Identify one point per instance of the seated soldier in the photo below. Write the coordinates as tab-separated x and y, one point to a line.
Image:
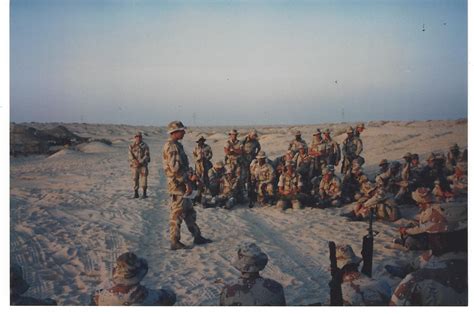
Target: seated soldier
350	182
329	189
263	176
357	288
384	207
251	289
230	192
18	287
442	280
289	188
126	288
440	195
304	166
215	175
459	180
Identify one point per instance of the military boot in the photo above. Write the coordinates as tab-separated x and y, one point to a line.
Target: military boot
201	240
177	246
144	193
136	194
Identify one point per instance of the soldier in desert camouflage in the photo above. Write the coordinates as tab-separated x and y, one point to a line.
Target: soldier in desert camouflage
330	193
317	150
233	152
289	188
351	149
297	143
230	192
251	289
454	156
176	167
139	158
263	175
459	180
202	159
126	288
359	129
357	288
332	151
442	279
250	149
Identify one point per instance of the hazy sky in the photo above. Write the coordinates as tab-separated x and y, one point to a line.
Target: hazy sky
237	62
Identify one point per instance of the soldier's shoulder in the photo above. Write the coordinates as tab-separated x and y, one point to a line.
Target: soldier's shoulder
170	146
272	285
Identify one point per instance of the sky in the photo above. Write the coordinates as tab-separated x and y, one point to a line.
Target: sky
237	62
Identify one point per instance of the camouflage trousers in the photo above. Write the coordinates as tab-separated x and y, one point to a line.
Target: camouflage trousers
289	202
139	177
264	190
182	209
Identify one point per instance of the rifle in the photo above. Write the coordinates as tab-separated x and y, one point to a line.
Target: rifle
336	277
252	193
368	247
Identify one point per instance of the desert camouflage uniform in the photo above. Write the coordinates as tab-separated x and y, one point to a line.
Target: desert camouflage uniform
139	157
264	176
295	145
202	161
231	158
318	152
459	184
290	183
176	166
215	176
332	151
351	149
250	149
442	281
230	191
359	289
330	191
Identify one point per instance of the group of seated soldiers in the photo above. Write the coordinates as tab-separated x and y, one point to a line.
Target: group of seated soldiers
306	176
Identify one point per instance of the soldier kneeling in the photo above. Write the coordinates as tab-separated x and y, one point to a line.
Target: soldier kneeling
230	190
329	189
126	277
289	187
251	289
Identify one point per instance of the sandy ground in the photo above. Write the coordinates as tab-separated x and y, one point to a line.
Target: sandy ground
72	215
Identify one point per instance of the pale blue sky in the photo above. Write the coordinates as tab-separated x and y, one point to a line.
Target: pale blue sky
231	62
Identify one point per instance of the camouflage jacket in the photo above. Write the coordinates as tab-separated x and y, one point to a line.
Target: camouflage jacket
263	174
228	186
352	147
250	149
318	147
231	148
290	183
331	148
138	153
359	289
331	188
295	145
202	153
442	281
459	184
302	161
215	176
176	166
253	291
138	295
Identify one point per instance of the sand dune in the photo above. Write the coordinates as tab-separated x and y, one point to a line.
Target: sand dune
72	214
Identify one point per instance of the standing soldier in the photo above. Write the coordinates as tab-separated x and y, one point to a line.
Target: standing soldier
317	151
454	155
176	166
263	175
250	149
251	289
331	148
351	149
289	188
139	157
233	151
202	159
297	143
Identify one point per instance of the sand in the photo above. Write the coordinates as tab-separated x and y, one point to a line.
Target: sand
72	215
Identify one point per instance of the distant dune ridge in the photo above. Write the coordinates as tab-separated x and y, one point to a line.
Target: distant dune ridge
72	212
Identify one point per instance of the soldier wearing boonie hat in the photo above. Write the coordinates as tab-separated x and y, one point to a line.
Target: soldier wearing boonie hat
139	158
202	159
127	274
233	151
250	149
351	149
289	187
251	289
332	151
357	288
176	167
263	176
330	192
297	143
442	280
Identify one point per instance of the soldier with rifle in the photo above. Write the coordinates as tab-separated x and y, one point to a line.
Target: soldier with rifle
139	158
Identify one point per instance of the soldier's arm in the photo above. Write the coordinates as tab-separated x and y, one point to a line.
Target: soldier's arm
209	153
359	147
146	156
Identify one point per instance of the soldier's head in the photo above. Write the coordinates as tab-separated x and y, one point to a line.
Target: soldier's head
422	196
253	135
415	159
249	258
383	164
455	149
363	178
261	157
431	160
201	140
176	130
298	135
328	172
407	157
350	132
327	134
302	150
346	258
289	155
138	137
290	166
317	134
233	134
360	127
129	270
